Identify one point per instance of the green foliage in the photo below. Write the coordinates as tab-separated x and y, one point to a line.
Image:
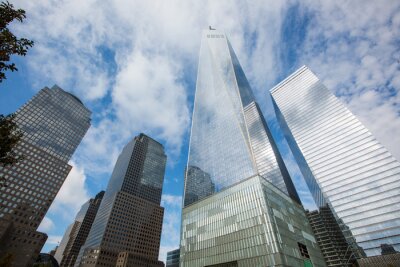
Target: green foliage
10	135
9	43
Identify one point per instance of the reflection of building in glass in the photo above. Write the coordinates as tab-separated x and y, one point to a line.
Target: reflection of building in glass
251	223
341	161
198	186
80	230
229	140
387	249
330	238
53	122
63	243
240	205
127	227
173	258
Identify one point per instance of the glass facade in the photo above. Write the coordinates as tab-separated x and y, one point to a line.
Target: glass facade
342	162
129	217
80	230
252	223
55	121
173	258
230	140
63	243
240	205
330	238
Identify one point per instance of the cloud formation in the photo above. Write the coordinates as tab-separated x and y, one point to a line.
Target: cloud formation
46	225
355	53
172	220
134	64
54	240
171	201
138	61
71	195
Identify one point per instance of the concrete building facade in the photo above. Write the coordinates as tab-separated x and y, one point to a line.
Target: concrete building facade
127	228
53	123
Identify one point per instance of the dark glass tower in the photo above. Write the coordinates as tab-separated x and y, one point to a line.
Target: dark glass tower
230	140
127	228
80	230
172	258
240	205
54	123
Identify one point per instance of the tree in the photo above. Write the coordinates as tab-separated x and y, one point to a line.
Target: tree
6	260
9	43
10	135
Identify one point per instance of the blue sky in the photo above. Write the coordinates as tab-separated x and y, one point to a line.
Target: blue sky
134	65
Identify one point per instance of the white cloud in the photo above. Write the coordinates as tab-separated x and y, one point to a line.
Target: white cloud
46	225
155	47
137	61
149	97
359	61
171	200
171	224
54	239
100	147
71	195
170	231
380	116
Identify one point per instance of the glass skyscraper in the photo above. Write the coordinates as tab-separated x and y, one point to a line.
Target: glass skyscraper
63	243
173	258
230	139
240	205
127	228
341	161
53	123
80	230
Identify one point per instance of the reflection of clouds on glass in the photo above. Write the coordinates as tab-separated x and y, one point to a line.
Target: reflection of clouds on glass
198	185
358	176
54	120
243	219
219	144
269	163
230	140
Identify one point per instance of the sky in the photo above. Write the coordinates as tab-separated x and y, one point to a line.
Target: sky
134	64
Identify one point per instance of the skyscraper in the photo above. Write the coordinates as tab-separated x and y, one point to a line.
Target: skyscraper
80	230
230	140
173	258
342	163
330	238
53	123
63	243
240	205
127	227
